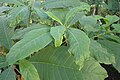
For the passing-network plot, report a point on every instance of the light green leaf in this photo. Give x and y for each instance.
(31, 42)
(112, 19)
(57, 64)
(28, 71)
(8, 74)
(19, 34)
(57, 33)
(5, 33)
(79, 45)
(113, 48)
(116, 28)
(76, 10)
(51, 15)
(100, 53)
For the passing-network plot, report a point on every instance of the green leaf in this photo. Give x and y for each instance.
(12, 1)
(112, 19)
(18, 14)
(5, 33)
(41, 13)
(51, 15)
(2, 61)
(4, 8)
(75, 10)
(28, 71)
(57, 64)
(20, 34)
(79, 45)
(8, 74)
(61, 3)
(116, 28)
(100, 53)
(113, 48)
(113, 37)
(75, 18)
(88, 20)
(31, 42)
(57, 33)
(60, 13)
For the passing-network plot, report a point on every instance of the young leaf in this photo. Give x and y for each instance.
(57, 64)
(8, 74)
(79, 45)
(60, 13)
(5, 33)
(113, 48)
(28, 71)
(51, 15)
(31, 42)
(100, 53)
(57, 33)
(75, 10)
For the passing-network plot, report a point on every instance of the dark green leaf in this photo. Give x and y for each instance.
(8, 74)
(113, 48)
(57, 64)
(100, 53)
(5, 33)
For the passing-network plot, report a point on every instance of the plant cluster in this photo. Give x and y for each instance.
(58, 39)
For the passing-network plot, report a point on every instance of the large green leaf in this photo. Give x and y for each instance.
(19, 34)
(5, 33)
(8, 74)
(113, 48)
(28, 71)
(57, 33)
(57, 64)
(54, 17)
(31, 42)
(79, 45)
(61, 3)
(100, 53)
